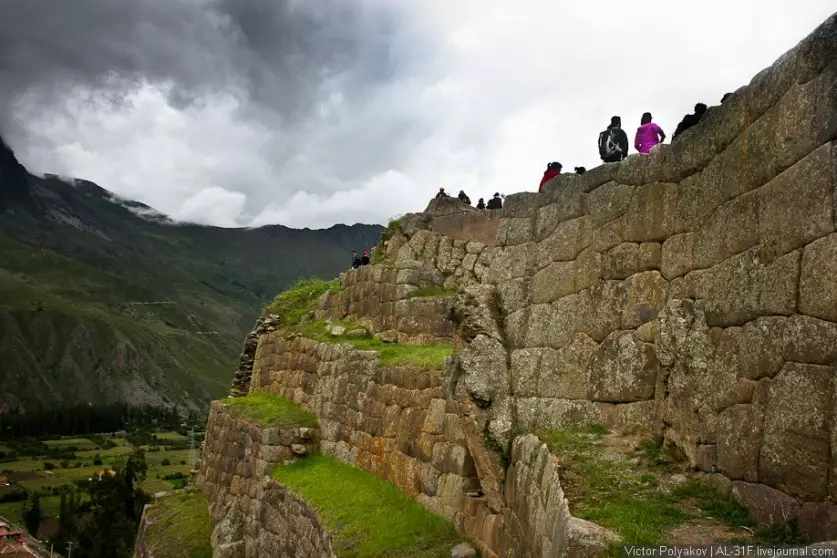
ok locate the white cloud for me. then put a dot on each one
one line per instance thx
(487, 93)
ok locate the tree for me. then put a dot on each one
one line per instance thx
(32, 515)
(116, 507)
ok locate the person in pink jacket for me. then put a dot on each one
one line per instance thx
(648, 135)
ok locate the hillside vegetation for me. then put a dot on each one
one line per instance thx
(99, 305)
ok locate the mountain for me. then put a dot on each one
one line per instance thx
(105, 300)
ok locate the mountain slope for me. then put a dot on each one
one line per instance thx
(105, 300)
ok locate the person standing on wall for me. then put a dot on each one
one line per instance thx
(613, 142)
(496, 202)
(648, 135)
(552, 170)
(355, 260)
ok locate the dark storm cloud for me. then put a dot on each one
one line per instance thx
(279, 53)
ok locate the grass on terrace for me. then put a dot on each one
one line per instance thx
(367, 516)
(300, 301)
(630, 496)
(182, 528)
(272, 410)
(428, 357)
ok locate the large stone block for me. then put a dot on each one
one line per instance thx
(564, 243)
(563, 321)
(537, 330)
(564, 372)
(514, 231)
(623, 369)
(818, 521)
(630, 257)
(510, 262)
(796, 206)
(597, 310)
(699, 195)
(766, 505)
(645, 295)
(635, 419)
(609, 202)
(542, 413)
(603, 238)
(730, 230)
(515, 294)
(483, 363)
(795, 454)
(809, 340)
(742, 288)
(806, 117)
(817, 284)
(740, 430)
(760, 347)
(677, 257)
(525, 372)
(651, 213)
(563, 278)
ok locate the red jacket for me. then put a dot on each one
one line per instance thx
(547, 176)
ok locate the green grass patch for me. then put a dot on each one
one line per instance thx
(177, 461)
(300, 301)
(433, 290)
(182, 528)
(367, 516)
(272, 410)
(628, 497)
(392, 228)
(428, 357)
(714, 504)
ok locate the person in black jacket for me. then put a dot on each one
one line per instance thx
(365, 259)
(355, 260)
(690, 120)
(463, 197)
(481, 204)
(613, 142)
(495, 202)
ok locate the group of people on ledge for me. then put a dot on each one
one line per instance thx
(613, 141)
(494, 203)
(359, 261)
(613, 147)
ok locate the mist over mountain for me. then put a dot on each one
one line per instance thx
(104, 299)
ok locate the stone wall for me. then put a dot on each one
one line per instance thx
(450, 217)
(254, 515)
(392, 421)
(383, 297)
(380, 298)
(689, 292)
(403, 424)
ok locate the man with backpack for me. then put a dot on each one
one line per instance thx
(613, 142)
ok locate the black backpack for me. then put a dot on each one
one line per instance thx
(609, 143)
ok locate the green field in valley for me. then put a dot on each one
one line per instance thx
(47, 476)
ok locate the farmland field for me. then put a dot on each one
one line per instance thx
(46, 475)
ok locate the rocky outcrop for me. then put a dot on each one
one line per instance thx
(241, 379)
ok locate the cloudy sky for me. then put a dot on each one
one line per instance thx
(315, 112)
